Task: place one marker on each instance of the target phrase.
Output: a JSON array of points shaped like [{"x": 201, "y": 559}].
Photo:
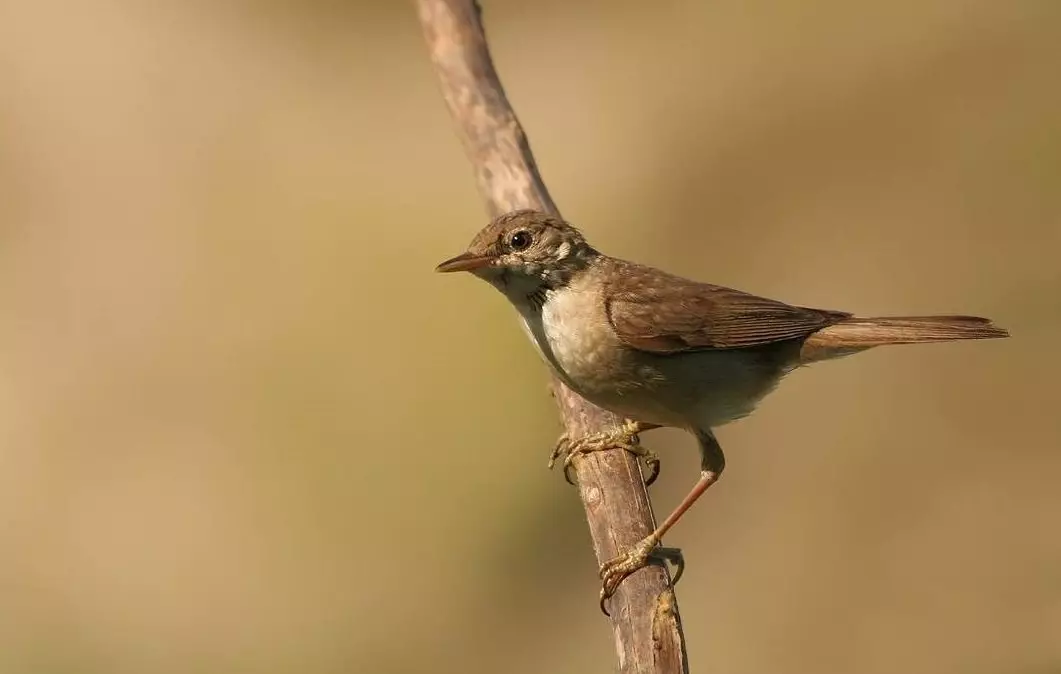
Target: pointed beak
[{"x": 465, "y": 262}]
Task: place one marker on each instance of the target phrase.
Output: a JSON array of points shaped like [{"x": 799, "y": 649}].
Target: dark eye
[{"x": 520, "y": 240}]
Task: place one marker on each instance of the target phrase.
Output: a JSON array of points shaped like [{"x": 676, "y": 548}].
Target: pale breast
[
  {"x": 579, "y": 337},
  {"x": 573, "y": 335}
]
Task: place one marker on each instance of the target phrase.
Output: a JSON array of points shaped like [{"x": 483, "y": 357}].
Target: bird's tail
[{"x": 851, "y": 335}]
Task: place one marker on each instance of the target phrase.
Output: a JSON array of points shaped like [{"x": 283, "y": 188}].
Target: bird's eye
[{"x": 520, "y": 240}]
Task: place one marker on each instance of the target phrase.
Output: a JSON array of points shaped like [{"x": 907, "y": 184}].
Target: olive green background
[{"x": 245, "y": 428}]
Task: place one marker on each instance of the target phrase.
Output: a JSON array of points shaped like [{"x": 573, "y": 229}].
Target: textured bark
[{"x": 647, "y": 626}]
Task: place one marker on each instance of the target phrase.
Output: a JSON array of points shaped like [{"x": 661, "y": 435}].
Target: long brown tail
[{"x": 857, "y": 334}]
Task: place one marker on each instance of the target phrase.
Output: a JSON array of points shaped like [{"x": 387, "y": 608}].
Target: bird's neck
[{"x": 529, "y": 294}]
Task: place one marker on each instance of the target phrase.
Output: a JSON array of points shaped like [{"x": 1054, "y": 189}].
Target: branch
[{"x": 644, "y": 611}]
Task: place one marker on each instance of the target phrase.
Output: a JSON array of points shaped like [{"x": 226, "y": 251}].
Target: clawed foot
[
  {"x": 624, "y": 438},
  {"x": 615, "y": 571}
]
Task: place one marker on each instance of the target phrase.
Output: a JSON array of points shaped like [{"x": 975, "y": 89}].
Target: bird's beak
[{"x": 465, "y": 262}]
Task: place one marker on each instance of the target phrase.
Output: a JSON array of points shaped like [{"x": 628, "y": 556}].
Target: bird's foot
[
  {"x": 643, "y": 553},
  {"x": 623, "y": 438}
]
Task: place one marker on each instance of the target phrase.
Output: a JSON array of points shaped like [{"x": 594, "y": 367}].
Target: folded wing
[{"x": 659, "y": 313}]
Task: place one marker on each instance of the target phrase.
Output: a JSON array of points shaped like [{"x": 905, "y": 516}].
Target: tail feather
[{"x": 857, "y": 334}]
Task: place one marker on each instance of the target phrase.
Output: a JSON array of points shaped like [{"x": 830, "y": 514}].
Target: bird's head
[{"x": 524, "y": 252}]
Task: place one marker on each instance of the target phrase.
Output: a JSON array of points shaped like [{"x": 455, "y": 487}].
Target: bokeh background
[{"x": 245, "y": 428}]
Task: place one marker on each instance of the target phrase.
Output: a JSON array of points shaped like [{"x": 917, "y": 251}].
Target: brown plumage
[
  {"x": 660, "y": 313},
  {"x": 665, "y": 350}
]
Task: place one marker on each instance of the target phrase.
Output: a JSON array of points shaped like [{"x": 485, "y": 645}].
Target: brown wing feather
[{"x": 660, "y": 313}]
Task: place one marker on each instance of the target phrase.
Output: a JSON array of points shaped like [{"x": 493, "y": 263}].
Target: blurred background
[{"x": 245, "y": 428}]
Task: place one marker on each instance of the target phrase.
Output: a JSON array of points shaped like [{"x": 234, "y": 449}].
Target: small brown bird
[{"x": 663, "y": 350}]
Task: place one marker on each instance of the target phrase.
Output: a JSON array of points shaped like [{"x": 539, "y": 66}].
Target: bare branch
[{"x": 644, "y": 611}]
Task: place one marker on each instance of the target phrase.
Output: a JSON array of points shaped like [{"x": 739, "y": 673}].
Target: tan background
[{"x": 245, "y": 428}]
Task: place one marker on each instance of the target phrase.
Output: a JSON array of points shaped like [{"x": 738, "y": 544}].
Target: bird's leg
[
  {"x": 614, "y": 571},
  {"x": 623, "y": 438}
]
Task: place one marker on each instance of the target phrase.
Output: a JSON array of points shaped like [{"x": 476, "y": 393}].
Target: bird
[{"x": 662, "y": 350}]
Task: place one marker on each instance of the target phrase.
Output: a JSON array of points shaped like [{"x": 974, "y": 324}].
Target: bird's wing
[{"x": 659, "y": 313}]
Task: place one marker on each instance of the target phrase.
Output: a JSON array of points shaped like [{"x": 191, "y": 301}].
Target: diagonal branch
[{"x": 644, "y": 611}]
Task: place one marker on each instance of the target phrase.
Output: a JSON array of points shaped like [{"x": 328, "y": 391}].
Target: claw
[
  {"x": 568, "y": 475},
  {"x": 644, "y": 552},
  {"x": 625, "y": 438},
  {"x": 559, "y": 450},
  {"x": 652, "y": 463}
]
